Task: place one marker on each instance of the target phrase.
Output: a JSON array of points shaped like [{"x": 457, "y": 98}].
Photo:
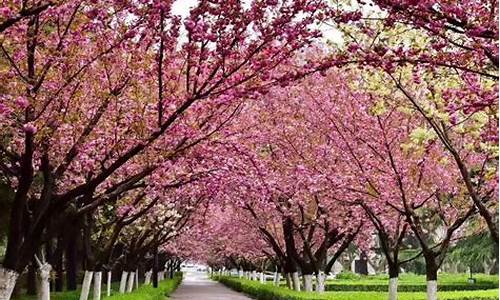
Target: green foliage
[
  {"x": 147, "y": 292},
  {"x": 144, "y": 292},
  {"x": 413, "y": 283},
  {"x": 348, "y": 276},
  {"x": 408, "y": 287},
  {"x": 474, "y": 250},
  {"x": 270, "y": 292}
]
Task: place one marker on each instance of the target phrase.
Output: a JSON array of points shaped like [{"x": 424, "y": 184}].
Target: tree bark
[
  {"x": 97, "y": 285},
  {"x": 320, "y": 282},
  {"x": 87, "y": 281},
  {"x": 31, "y": 279},
  {"x": 123, "y": 282},
  {"x": 296, "y": 281},
  {"x": 8, "y": 279},
  {"x": 393, "y": 281},
  {"x": 58, "y": 281},
  {"x": 155, "y": 268},
  {"x": 108, "y": 284},
  {"x": 288, "y": 279},
  {"x": 147, "y": 280},
  {"x": 43, "y": 285},
  {"x": 130, "y": 284},
  {"x": 276, "y": 278},
  {"x": 307, "y": 279},
  {"x": 71, "y": 264},
  {"x": 431, "y": 276}
]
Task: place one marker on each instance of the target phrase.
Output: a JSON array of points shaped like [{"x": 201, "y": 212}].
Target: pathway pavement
[{"x": 197, "y": 286}]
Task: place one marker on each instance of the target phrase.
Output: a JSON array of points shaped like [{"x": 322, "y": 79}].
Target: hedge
[
  {"x": 270, "y": 292},
  {"x": 146, "y": 292},
  {"x": 410, "y": 287}
]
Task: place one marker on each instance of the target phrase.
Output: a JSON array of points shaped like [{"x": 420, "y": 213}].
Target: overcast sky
[{"x": 182, "y": 7}]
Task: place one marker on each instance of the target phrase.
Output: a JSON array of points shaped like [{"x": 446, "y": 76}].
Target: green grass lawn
[
  {"x": 165, "y": 288},
  {"x": 269, "y": 292}
]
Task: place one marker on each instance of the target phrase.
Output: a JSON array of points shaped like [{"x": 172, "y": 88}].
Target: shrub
[
  {"x": 147, "y": 292},
  {"x": 409, "y": 287},
  {"x": 270, "y": 292},
  {"x": 144, "y": 292},
  {"x": 347, "y": 275}
]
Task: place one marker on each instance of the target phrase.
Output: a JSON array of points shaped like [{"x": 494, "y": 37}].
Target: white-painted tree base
[
  {"x": 123, "y": 282},
  {"x": 262, "y": 277},
  {"x": 136, "y": 278},
  {"x": 431, "y": 290},
  {"x": 296, "y": 281},
  {"x": 43, "y": 283},
  {"x": 8, "y": 279},
  {"x": 276, "y": 280},
  {"x": 288, "y": 279},
  {"x": 108, "y": 284},
  {"x": 97, "y": 285},
  {"x": 147, "y": 279},
  {"x": 87, "y": 280},
  {"x": 320, "y": 282},
  {"x": 307, "y": 279},
  {"x": 130, "y": 285},
  {"x": 254, "y": 275},
  {"x": 393, "y": 288}
]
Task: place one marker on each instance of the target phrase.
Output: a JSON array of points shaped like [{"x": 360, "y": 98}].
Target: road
[{"x": 197, "y": 286}]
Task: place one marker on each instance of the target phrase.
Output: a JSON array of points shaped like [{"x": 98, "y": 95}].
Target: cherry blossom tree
[
  {"x": 76, "y": 116},
  {"x": 443, "y": 58}
]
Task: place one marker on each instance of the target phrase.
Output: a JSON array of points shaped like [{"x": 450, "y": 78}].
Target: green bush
[
  {"x": 348, "y": 276},
  {"x": 409, "y": 287},
  {"x": 270, "y": 292},
  {"x": 148, "y": 292},
  {"x": 409, "y": 282},
  {"x": 144, "y": 292}
]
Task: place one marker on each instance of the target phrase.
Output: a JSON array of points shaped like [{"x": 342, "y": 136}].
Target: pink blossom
[
  {"x": 29, "y": 128},
  {"x": 22, "y": 102}
]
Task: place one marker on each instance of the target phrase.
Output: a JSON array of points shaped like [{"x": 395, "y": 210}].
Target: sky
[{"x": 182, "y": 7}]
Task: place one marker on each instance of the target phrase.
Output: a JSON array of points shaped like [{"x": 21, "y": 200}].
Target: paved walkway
[{"x": 197, "y": 286}]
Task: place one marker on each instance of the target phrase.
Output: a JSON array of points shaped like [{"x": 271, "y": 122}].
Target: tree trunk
[
  {"x": 320, "y": 282},
  {"x": 296, "y": 281},
  {"x": 97, "y": 285},
  {"x": 87, "y": 281},
  {"x": 155, "y": 268},
  {"x": 147, "y": 280},
  {"x": 108, "y": 284},
  {"x": 288, "y": 279},
  {"x": 276, "y": 278},
  {"x": 43, "y": 286},
  {"x": 58, "y": 266},
  {"x": 31, "y": 279},
  {"x": 8, "y": 279},
  {"x": 262, "y": 277},
  {"x": 487, "y": 266},
  {"x": 123, "y": 282},
  {"x": 393, "y": 281},
  {"x": 307, "y": 280},
  {"x": 131, "y": 279},
  {"x": 431, "y": 275},
  {"x": 171, "y": 272},
  {"x": 137, "y": 278},
  {"x": 71, "y": 264}
]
